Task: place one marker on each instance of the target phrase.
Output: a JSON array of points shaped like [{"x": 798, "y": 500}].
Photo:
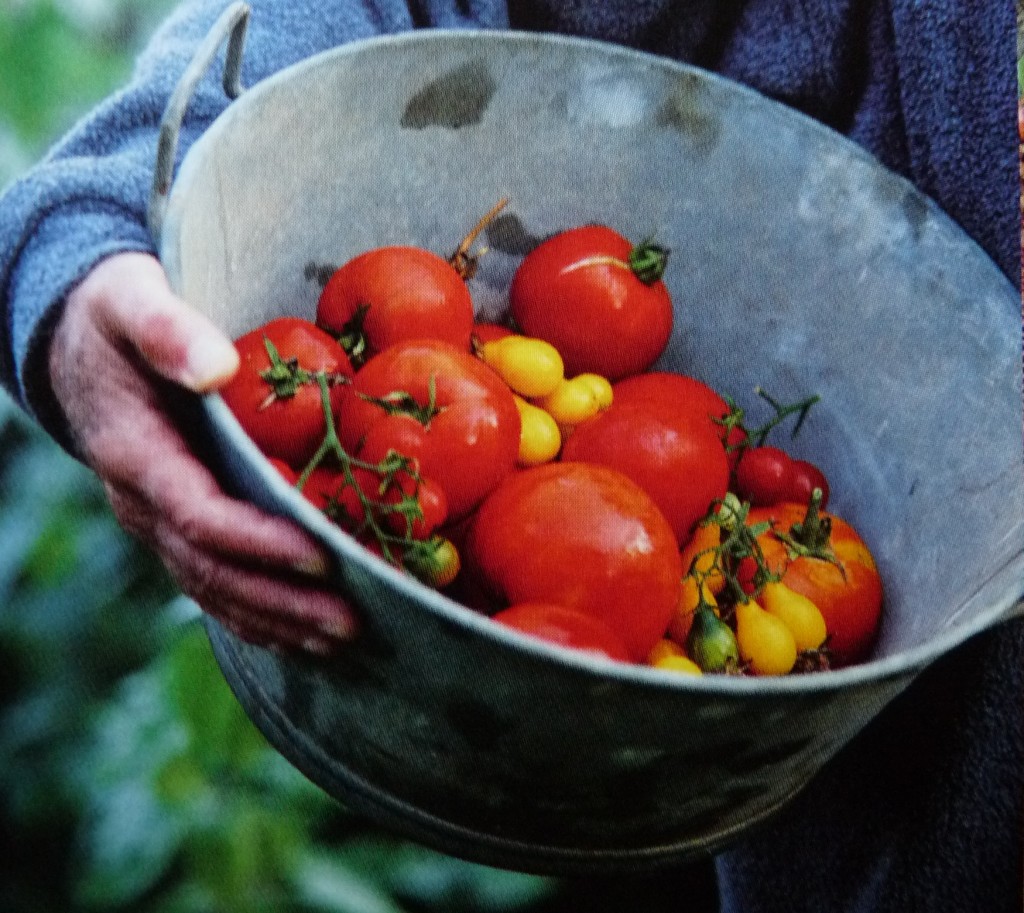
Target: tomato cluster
[{"x": 544, "y": 472}]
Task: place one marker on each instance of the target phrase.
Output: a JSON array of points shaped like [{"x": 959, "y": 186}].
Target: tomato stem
[
  {"x": 782, "y": 412},
  {"x": 648, "y": 261},
  {"x": 462, "y": 260},
  {"x": 387, "y": 470}
]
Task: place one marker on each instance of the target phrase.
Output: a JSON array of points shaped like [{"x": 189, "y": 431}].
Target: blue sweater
[{"x": 924, "y": 810}]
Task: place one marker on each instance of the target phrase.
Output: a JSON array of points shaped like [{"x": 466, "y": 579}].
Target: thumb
[{"x": 135, "y": 304}]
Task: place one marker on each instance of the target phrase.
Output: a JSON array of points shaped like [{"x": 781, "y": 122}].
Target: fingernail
[
  {"x": 313, "y": 566},
  {"x": 210, "y": 360},
  {"x": 318, "y": 646}
]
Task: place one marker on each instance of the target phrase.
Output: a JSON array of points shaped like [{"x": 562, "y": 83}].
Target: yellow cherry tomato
[
  {"x": 797, "y": 612},
  {"x": 539, "y": 437},
  {"x": 601, "y": 387},
  {"x": 681, "y": 664},
  {"x": 764, "y": 642},
  {"x": 571, "y": 402},
  {"x": 689, "y": 601},
  {"x": 662, "y": 649},
  {"x": 698, "y": 557},
  {"x": 531, "y": 367}
]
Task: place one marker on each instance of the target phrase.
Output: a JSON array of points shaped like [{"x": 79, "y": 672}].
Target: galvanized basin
[{"x": 798, "y": 263}]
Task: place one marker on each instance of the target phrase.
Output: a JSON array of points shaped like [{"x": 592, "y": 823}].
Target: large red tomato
[
  {"x": 391, "y": 294},
  {"x": 847, "y": 590},
  {"x": 470, "y": 419},
  {"x": 580, "y": 536},
  {"x": 678, "y": 460},
  {"x": 276, "y": 395},
  {"x": 565, "y": 627},
  {"x": 582, "y": 291},
  {"x": 687, "y": 396}
]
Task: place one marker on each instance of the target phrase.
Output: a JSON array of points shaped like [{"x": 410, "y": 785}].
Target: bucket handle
[{"x": 232, "y": 25}]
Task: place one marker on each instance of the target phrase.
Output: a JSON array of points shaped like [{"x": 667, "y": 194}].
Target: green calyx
[
  {"x": 284, "y": 375},
  {"x": 401, "y": 402},
  {"x": 812, "y": 536},
  {"x": 648, "y": 261}
]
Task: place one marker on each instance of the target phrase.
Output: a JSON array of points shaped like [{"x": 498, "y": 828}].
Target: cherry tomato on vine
[
  {"x": 276, "y": 396},
  {"x": 807, "y": 477},
  {"x": 845, "y": 585},
  {"x": 565, "y": 627},
  {"x": 391, "y": 294},
  {"x": 582, "y": 536},
  {"x": 685, "y": 395},
  {"x": 678, "y": 460},
  {"x": 767, "y": 475},
  {"x": 597, "y": 299},
  {"x": 468, "y": 414}
]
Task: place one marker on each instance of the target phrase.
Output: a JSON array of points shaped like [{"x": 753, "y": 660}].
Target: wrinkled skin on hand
[{"x": 122, "y": 330}]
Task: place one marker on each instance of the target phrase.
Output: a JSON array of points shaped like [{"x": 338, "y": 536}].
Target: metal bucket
[{"x": 798, "y": 263}]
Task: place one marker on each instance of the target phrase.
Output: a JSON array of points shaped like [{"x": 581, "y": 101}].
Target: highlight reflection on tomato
[{"x": 582, "y": 536}]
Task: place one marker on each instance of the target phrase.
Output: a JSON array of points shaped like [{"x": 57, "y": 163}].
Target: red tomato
[
  {"x": 468, "y": 413},
  {"x": 430, "y": 501},
  {"x": 327, "y": 490},
  {"x": 580, "y": 536},
  {"x": 279, "y": 404},
  {"x": 286, "y": 471},
  {"x": 392, "y": 294},
  {"x": 686, "y": 396},
  {"x": 489, "y": 332},
  {"x": 402, "y": 434},
  {"x": 578, "y": 291},
  {"x": 847, "y": 592},
  {"x": 678, "y": 460},
  {"x": 765, "y": 476},
  {"x": 565, "y": 627},
  {"x": 807, "y": 477}
]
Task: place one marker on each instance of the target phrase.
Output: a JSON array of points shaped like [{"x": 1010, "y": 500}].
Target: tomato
[
  {"x": 276, "y": 397},
  {"x": 678, "y": 460},
  {"x": 401, "y": 434},
  {"x": 574, "y": 400},
  {"x": 540, "y": 438},
  {"x": 531, "y": 367},
  {"x": 565, "y": 627},
  {"x": 328, "y": 490},
  {"x": 391, "y": 294},
  {"x": 286, "y": 471},
  {"x": 584, "y": 537},
  {"x": 798, "y": 613},
  {"x": 484, "y": 333},
  {"x": 765, "y": 476},
  {"x": 765, "y": 643},
  {"x": 469, "y": 416},
  {"x": 847, "y": 591},
  {"x": 687, "y": 396},
  {"x": 580, "y": 290},
  {"x": 428, "y": 506},
  {"x": 807, "y": 477}
]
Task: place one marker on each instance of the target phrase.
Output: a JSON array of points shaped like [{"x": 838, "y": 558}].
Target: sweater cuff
[{"x": 62, "y": 251}]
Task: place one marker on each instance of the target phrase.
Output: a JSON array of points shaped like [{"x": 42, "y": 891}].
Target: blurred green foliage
[{"x": 130, "y": 778}]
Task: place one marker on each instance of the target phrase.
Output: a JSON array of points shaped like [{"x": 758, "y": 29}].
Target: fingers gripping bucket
[{"x": 798, "y": 263}]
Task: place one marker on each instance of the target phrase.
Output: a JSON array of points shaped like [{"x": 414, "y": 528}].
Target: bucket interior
[{"x": 797, "y": 264}]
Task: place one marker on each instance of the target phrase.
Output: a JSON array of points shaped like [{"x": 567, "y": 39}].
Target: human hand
[{"x": 122, "y": 329}]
